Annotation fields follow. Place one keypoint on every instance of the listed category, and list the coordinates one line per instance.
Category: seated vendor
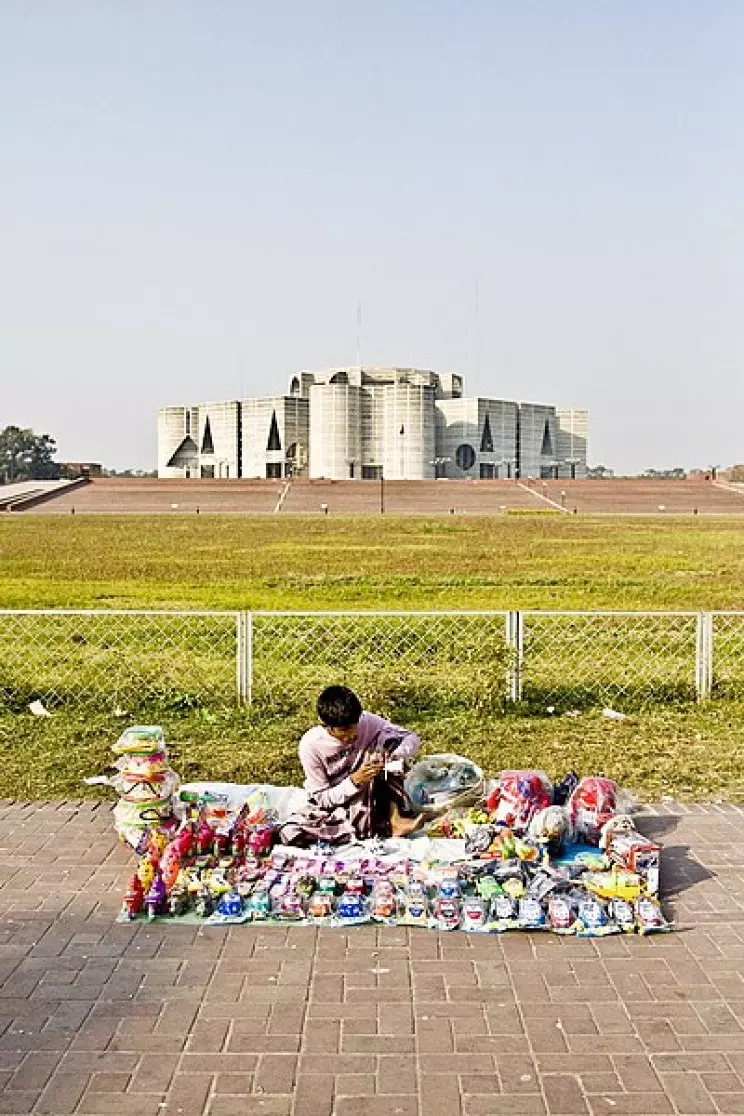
(351, 793)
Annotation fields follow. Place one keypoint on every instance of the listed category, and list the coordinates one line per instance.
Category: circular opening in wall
(465, 457)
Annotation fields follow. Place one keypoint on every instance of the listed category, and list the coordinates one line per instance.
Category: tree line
(25, 455)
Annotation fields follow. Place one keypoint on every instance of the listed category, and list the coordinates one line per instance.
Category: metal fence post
(515, 642)
(245, 657)
(704, 656)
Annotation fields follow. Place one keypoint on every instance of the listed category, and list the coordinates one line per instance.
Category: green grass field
(531, 561)
(520, 561)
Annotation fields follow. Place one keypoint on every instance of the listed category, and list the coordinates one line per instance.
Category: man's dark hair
(338, 707)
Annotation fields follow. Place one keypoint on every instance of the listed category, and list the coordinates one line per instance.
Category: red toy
(134, 897)
(591, 805)
(518, 796)
(260, 840)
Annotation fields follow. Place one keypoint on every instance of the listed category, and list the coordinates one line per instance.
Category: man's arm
(395, 742)
(319, 790)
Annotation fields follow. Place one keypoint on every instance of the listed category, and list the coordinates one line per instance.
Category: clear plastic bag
(519, 796)
(438, 783)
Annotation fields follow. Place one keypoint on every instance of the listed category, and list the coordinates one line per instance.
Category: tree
(26, 456)
(599, 472)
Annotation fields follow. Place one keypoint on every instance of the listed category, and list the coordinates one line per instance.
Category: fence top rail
(117, 612)
(189, 612)
(384, 612)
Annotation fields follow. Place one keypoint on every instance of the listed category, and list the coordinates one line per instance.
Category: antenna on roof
(359, 334)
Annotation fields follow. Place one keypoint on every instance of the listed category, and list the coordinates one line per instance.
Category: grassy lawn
(520, 561)
(523, 561)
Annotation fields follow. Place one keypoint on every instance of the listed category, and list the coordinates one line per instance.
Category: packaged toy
(488, 887)
(320, 905)
(140, 740)
(178, 901)
(561, 915)
(592, 919)
(619, 823)
(520, 795)
(415, 912)
(474, 915)
(638, 854)
(615, 884)
(446, 913)
(258, 904)
(649, 917)
(591, 806)
(530, 914)
(503, 914)
(350, 908)
(623, 913)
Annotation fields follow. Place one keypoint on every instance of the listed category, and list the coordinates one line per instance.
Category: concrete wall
(291, 414)
(335, 431)
(476, 438)
(538, 441)
(219, 424)
(175, 426)
(573, 430)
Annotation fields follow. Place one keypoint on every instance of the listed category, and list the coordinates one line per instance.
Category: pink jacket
(328, 764)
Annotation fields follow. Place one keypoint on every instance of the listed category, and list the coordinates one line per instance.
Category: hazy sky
(195, 194)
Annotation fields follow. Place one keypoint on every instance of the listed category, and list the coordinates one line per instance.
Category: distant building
(363, 423)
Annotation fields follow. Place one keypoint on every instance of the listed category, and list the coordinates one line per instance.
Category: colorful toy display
(515, 862)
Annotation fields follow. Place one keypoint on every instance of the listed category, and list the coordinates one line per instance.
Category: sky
(542, 195)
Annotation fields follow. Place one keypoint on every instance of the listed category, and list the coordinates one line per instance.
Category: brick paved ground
(98, 1017)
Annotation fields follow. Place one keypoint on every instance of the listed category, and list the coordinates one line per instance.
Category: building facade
(364, 423)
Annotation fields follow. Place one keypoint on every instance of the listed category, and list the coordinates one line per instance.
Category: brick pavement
(99, 1017)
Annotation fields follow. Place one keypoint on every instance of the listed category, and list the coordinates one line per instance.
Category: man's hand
(371, 767)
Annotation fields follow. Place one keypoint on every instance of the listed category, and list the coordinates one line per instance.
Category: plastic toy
(350, 906)
(204, 904)
(487, 887)
(289, 906)
(591, 806)
(592, 919)
(260, 840)
(519, 795)
(155, 898)
(231, 905)
(203, 838)
(320, 905)
(503, 914)
(561, 915)
(449, 888)
(638, 854)
(304, 886)
(623, 913)
(178, 901)
(618, 823)
(514, 888)
(649, 917)
(415, 912)
(134, 898)
(474, 915)
(530, 914)
(526, 851)
(446, 914)
(140, 740)
(478, 842)
(355, 886)
(327, 884)
(146, 873)
(383, 905)
(615, 884)
(258, 905)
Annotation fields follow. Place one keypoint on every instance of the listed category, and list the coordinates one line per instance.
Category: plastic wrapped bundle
(591, 806)
(144, 780)
(519, 796)
(437, 783)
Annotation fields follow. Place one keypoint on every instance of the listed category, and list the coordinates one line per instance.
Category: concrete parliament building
(364, 423)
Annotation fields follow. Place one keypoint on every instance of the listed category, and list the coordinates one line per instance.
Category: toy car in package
(440, 782)
(518, 796)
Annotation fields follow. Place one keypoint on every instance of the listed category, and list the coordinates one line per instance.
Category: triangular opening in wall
(186, 454)
(547, 443)
(207, 443)
(274, 442)
(487, 438)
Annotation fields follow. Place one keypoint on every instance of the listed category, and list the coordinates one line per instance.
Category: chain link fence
(426, 660)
